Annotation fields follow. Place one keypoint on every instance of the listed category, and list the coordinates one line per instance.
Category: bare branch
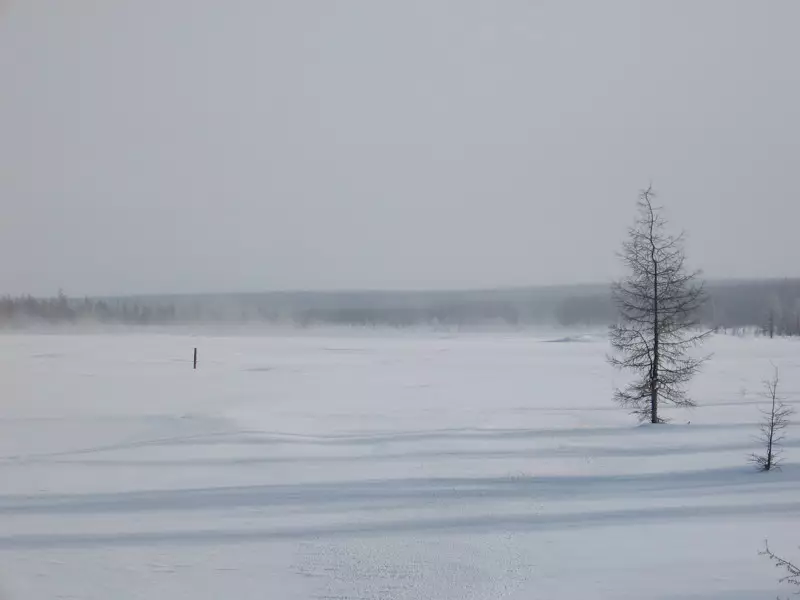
(793, 571)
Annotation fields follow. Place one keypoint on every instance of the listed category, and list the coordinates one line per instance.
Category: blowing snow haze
(194, 145)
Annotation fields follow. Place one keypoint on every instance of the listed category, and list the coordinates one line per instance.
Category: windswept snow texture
(381, 466)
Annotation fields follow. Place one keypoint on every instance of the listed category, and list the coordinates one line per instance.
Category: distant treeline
(24, 310)
(768, 304)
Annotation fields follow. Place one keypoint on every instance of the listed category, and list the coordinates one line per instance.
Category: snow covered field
(380, 466)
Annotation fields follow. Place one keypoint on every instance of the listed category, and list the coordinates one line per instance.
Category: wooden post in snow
(195, 358)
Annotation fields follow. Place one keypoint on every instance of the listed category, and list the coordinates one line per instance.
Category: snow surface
(386, 465)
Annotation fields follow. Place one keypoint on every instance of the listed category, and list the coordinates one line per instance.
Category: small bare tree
(773, 317)
(770, 329)
(658, 303)
(774, 423)
(792, 571)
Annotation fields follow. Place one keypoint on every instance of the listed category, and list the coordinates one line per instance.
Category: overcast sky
(200, 145)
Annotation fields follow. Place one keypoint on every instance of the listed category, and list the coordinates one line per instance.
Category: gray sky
(199, 145)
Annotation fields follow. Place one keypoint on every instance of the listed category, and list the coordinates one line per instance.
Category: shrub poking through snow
(792, 576)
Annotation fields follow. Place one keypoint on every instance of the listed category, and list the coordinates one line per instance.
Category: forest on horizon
(731, 305)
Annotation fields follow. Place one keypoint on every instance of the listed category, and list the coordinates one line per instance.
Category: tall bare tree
(659, 302)
(775, 421)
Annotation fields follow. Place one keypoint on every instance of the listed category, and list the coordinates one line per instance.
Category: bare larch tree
(658, 301)
(774, 423)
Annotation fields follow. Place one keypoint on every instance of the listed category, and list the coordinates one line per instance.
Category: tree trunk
(656, 357)
(654, 379)
(771, 434)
